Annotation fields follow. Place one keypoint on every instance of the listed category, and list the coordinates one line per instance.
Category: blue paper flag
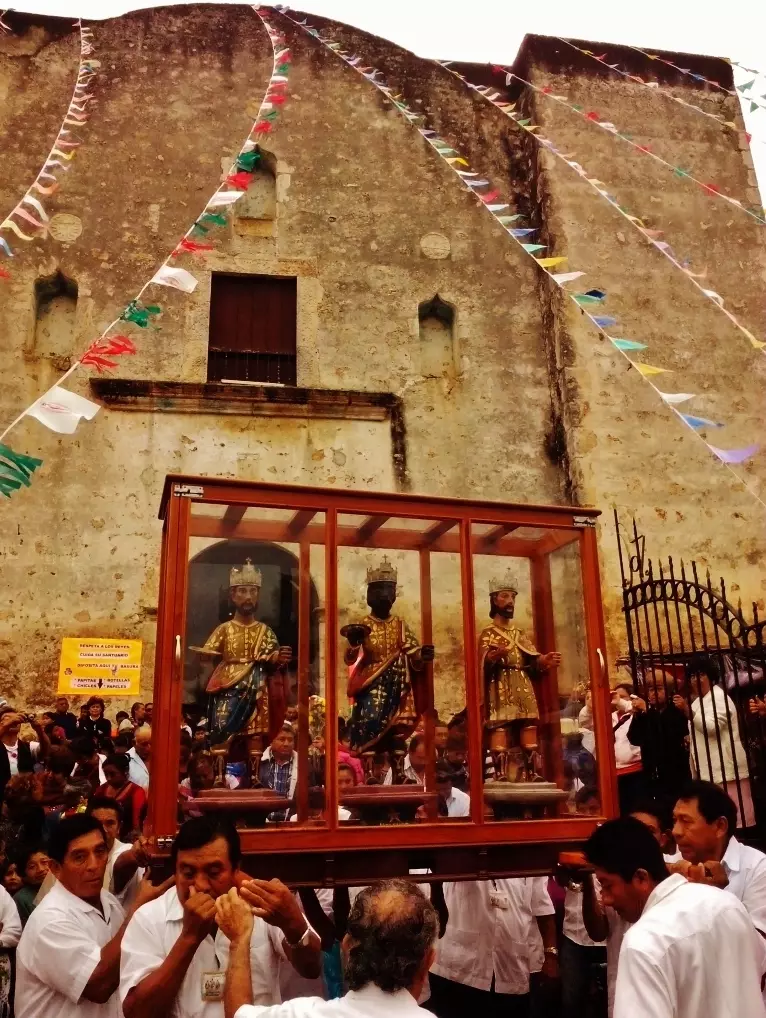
(628, 344)
(603, 321)
(698, 423)
(522, 232)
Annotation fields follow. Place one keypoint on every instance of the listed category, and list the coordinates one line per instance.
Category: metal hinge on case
(188, 491)
(584, 521)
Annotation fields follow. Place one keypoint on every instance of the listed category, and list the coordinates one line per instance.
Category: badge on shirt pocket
(498, 900)
(212, 985)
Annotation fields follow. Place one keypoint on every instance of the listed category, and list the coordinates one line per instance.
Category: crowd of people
(664, 916)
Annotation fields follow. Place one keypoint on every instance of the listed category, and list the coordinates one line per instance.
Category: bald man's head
(392, 929)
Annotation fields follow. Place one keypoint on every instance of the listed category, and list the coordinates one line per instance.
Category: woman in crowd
(137, 714)
(131, 797)
(95, 724)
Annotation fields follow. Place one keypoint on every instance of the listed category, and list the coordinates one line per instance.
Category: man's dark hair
(416, 742)
(69, 830)
(659, 807)
(84, 747)
(104, 802)
(60, 760)
(712, 803)
(119, 760)
(624, 846)
(444, 773)
(200, 831)
(702, 664)
(123, 741)
(391, 928)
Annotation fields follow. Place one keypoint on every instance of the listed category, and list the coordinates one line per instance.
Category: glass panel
(254, 735)
(533, 673)
(401, 675)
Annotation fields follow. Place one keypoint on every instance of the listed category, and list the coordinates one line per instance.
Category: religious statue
(507, 664)
(385, 663)
(250, 653)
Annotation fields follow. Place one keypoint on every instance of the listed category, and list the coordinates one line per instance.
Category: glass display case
(369, 683)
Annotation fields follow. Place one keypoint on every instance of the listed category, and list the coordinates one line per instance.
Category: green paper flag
(587, 298)
(213, 217)
(283, 68)
(754, 106)
(523, 123)
(745, 88)
(679, 172)
(628, 344)
(531, 248)
(140, 316)
(578, 108)
(247, 160)
(15, 469)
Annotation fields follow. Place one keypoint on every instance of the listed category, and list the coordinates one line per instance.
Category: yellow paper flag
(647, 369)
(457, 159)
(548, 263)
(757, 343)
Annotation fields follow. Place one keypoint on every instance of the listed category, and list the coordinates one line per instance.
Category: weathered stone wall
(532, 408)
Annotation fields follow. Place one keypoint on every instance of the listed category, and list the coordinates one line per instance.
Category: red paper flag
(99, 353)
(241, 180)
(4, 274)
(593, 116)
(489, 198)
(546, 90)
(263, 127)
(644, 148)
(277, 99)
(713, 188)
(192, 246)
(498, 69)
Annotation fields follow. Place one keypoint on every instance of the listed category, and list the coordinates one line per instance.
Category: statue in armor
(386, 664)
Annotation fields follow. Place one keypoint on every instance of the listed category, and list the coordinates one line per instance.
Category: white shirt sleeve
(641, 991)
(62, 956)
(541, 900)
(9, 917)
(34, 749)
(754, 898)
(299, 1007)
(142, 953)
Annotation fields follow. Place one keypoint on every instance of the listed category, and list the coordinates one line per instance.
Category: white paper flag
(567, 277)
(61, 410)
(224, 198)
(179, 279)
(674, 398)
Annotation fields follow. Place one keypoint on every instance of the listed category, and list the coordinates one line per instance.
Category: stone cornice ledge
(145, 396)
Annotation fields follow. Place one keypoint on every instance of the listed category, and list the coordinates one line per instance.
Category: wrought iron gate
(681, 629)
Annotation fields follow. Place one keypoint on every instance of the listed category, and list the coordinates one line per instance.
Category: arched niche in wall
(55, 315)
(436, 332)
(260, 200)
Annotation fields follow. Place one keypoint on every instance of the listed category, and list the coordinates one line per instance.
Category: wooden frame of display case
(330, 854)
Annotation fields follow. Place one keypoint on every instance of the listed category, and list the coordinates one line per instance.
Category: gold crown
(385, 573)
(247, 576)
(507, 582)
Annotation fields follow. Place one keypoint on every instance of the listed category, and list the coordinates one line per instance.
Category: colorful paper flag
(531, 248)
(675, 398)
(567, 277)
(698, 423)
(603, 321)
(222, 198)
(62, 410)
(647, 369)
(549, 263)
(179, 279)
(16, 469)
(627, 344)
(734, 455)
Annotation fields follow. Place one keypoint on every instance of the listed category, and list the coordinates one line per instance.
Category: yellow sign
(99, 667)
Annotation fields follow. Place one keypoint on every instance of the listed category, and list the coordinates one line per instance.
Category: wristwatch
(552, 950)
(305, 939)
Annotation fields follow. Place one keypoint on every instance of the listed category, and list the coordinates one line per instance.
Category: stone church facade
(423, 351)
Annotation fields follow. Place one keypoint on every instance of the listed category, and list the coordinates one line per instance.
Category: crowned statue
(508, 665)
(385, 664)
(249, 653)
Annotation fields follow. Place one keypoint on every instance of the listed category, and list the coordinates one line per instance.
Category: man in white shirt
(705, 819)
(140, 755)
(173, 956)
(484, 960)
(123, 879)
(17, 756)
(451, 799)
(718, 753)
(388, 950)
(68, 959)
(692, 951)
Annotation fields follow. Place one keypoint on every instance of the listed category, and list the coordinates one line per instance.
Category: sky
(492, 31)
